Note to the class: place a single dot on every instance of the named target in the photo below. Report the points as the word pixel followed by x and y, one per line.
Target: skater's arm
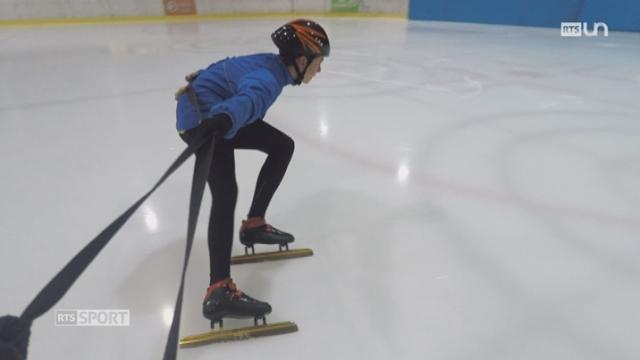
pixel 256 92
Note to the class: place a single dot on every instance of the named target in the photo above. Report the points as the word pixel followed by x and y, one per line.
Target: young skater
pixel 228 100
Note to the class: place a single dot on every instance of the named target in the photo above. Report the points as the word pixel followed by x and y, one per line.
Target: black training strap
pixel 200 172
pixel 14 332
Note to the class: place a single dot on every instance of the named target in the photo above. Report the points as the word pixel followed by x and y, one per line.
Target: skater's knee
pixel 287 146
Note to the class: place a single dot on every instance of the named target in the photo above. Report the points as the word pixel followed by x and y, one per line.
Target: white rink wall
pixel 61 9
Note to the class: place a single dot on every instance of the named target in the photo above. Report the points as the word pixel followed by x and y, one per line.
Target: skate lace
pixel 227 283
pixel 245 226
pixel 234 288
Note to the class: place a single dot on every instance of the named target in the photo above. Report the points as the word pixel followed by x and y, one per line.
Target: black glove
pixel 14 338
pixel 218 125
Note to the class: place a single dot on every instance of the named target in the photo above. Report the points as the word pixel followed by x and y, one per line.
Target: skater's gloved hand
pixel 192 76
pixel 179 92
pixel 189 78
pixel 218 125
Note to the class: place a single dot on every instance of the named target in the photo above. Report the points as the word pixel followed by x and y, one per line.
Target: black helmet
pixel 301 38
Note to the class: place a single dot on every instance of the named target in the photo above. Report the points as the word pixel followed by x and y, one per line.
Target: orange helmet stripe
pixel 305 35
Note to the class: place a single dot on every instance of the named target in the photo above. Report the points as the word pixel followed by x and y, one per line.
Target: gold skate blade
pixel 271 256
pixel 239 334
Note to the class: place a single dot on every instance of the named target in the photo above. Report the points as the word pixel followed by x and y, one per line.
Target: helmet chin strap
pixel 300 74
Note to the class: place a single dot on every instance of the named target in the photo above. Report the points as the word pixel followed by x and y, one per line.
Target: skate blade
pixel 239 334
pixel 271 256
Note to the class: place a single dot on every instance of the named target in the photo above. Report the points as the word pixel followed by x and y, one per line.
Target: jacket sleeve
pixel 256 92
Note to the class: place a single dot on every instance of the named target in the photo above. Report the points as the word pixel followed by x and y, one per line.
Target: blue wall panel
pixel 617 14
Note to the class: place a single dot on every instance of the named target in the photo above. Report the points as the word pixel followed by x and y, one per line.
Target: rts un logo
pixel 578 29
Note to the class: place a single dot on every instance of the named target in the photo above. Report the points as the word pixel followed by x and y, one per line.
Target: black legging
pixel 224 189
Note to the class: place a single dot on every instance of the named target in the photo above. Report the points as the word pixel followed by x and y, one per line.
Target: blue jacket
pixel 242 87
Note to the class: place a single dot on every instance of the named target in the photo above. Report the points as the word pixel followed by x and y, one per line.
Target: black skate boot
pixel 257 231
pixel 223 299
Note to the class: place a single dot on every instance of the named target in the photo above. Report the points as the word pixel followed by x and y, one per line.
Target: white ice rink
pixel 470 191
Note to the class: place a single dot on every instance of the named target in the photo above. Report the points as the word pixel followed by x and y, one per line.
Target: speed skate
pixel 224 300
pixel 266 234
